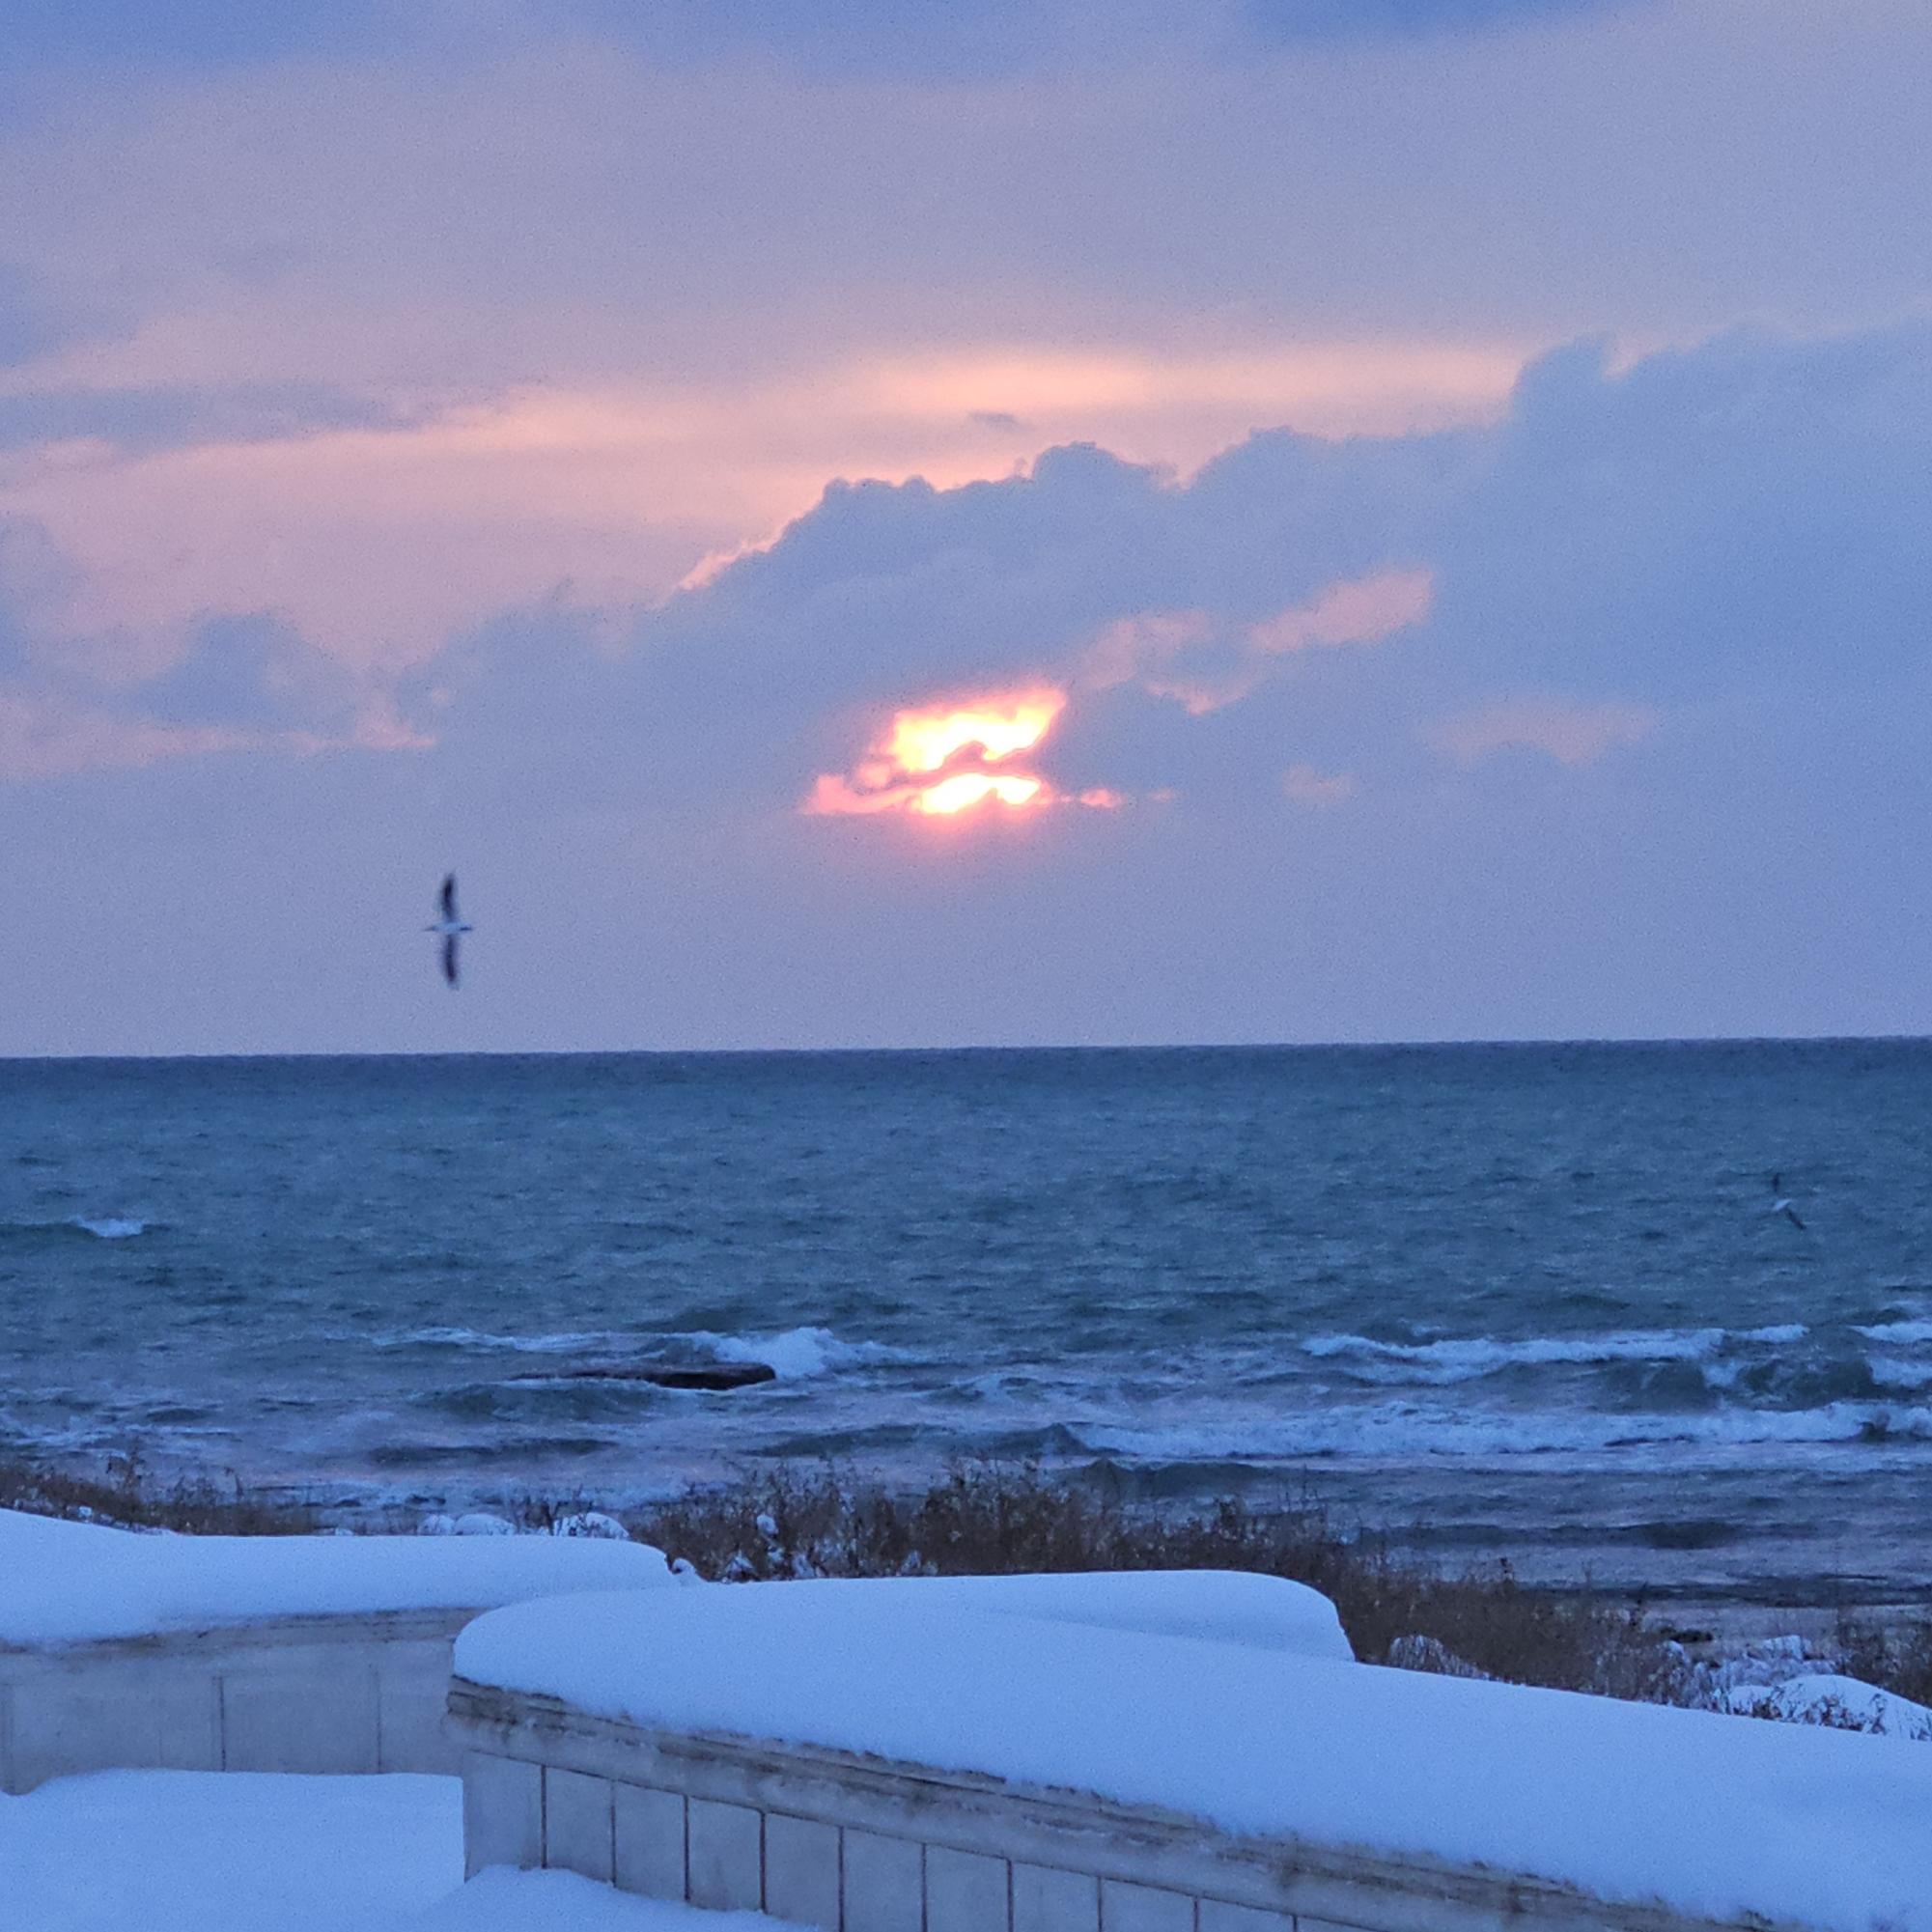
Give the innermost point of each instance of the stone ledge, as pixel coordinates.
(323, 1693)
(1143, 1869)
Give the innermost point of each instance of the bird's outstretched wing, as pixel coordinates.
(449, 896)
(1794, 1221)
(449, 959)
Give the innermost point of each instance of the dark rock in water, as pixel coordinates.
(720, 1375)
(723, 1374)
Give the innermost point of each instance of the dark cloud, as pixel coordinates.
(108, 35)
(13, 622)
(1751, 510)
(976, 40)
(1626, 546)
(1652, 762)
(1356, 20)
(26, 327)
(236, 680)
(139, 420)
(252, 673)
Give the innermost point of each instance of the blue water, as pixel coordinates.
(1517, 1299)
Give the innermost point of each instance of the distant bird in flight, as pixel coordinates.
(1780, 1205)
(448, 926)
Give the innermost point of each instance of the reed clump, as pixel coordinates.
(123, 1493)
(992, 1519)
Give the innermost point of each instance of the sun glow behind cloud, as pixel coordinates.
(1000, 726)
(935, 760)
(965, 789)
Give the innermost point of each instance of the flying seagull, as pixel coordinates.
(448, 926)
(1780, 1205)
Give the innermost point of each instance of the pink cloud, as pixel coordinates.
(1571, 732)
(1361, 612)
(1152, 648)
(1307, 786)
(44, 737)
(382, 540)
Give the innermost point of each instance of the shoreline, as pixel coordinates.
(1690, 1650)
(1745, 1608)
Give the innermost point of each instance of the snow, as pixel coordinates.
(1779, 1677)
(1227, 1606)
(168, 1851)
(1815, 1697)
(560, 1902)
(481, 1523)
(1705, 1813)
(77, 1583)
(147, 1851)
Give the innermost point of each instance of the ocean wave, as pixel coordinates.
(109, 1227)
(97, 1227)
(1890, 1372)
(1404, 1431)
(564, 1342)
(1465, 1359)
(795, 1355)
(1906, 1331)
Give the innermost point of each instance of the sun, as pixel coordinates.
(939, 759)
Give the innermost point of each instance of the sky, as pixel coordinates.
(1026, 522)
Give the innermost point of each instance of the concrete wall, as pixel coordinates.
(345, 1693)
(857, 1844)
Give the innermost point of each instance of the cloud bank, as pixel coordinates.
(1576, 722)
(1628, 546)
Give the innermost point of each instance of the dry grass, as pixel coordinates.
(123, 1494)
(990, 1519)
(994, 1519)
(1894, 1657)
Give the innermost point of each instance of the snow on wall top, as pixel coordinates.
(1225, 1606)
(1710, 1815)
(80, 1583)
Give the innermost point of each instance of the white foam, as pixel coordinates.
(110, 1227)
(1401, 1431)
(564, 1342)
(795, 1355)
(1464, 1359)
(1889, 1372)
(1896, 1332)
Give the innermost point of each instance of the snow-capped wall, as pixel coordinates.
(80, 1583)
(875, 1739)
(1222, 1605)
(213, 1652)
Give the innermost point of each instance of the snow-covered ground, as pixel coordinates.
(1812, 1697)
(1154, 1688)
(170, 1851)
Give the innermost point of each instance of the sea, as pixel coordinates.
(1522, 1303)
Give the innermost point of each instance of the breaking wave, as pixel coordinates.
(1404, 1431)
(97, 1227)
(1465, 1359)
(1895, 1331)
(110, 1227)
(795, 1355)
(564, 1342)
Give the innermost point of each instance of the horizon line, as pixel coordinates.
(1389, 1044)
